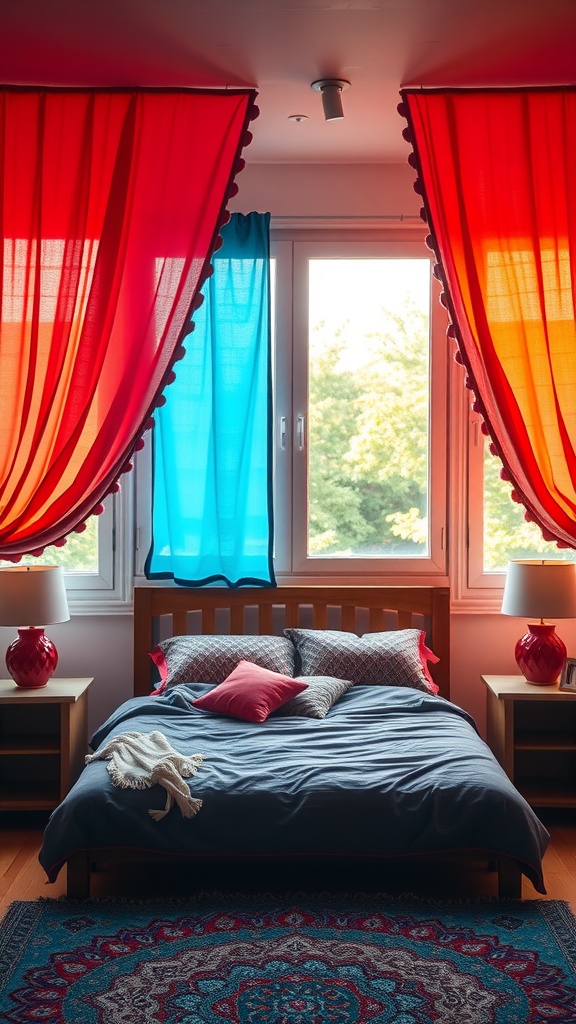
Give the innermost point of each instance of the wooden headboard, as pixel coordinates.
(160, 612)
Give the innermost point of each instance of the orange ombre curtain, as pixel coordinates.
(497, 173)
(110, 207)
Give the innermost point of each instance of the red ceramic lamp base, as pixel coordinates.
(32, 658)
(540, 654)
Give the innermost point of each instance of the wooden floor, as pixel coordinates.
(22, 878)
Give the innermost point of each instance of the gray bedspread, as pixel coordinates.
(388, 772)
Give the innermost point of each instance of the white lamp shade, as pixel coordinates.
(540, 589)
(32, 595)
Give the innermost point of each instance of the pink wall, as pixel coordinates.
(484, 645)
(327, 190)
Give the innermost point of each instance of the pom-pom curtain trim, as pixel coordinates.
(111, 205)
(496, 173)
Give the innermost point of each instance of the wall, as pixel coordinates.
(101, 646)
(327, 190)
(484, 644)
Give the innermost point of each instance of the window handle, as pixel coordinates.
(282, 433)
(300, 432)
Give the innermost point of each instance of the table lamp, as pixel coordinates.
(540, 589)
(32, 593)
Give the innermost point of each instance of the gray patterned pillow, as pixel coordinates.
(395, 658)
(210, 659)
(316, 701)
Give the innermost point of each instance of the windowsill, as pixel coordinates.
(323, 580)
(106, 606)
(480, 602)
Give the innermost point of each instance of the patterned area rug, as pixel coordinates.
(288, 960)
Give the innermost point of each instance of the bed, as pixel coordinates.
(366, 759)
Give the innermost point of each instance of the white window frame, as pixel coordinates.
(290, 402)
(491, 583)
(472, 590)
(103, 578)
(109, 591)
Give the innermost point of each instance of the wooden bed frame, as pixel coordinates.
(160, 612)
(267, 612)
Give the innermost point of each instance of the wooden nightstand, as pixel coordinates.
(532, 732)
(43, 741)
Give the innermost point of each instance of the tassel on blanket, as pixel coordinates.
(140, 760)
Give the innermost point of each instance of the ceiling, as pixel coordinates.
(280, 47)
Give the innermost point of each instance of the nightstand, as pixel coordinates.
(532, 732)
(43, 741)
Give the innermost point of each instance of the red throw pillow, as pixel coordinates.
(250, 693)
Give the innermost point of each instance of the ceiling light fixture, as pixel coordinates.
(331, 90)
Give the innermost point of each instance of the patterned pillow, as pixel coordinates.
(250, 692)
(316, 701)
(395, 658)
(210, 659)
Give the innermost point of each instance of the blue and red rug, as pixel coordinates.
(288, 960)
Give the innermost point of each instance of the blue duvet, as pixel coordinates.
(389, 772)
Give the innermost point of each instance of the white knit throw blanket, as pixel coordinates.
(140, 760)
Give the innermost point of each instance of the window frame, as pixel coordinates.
(474, 589)
(110, 590)
(471, 590)
(291, 366)
(482, 590)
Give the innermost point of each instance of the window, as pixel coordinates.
(497, 530)
(360, 432)
(361, 475)
(98, 562)
(360, 486)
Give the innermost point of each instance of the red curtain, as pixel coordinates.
(111, 203)
(497, 173)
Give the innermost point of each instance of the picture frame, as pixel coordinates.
(568, 676)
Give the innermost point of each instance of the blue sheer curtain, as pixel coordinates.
(212, 455)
